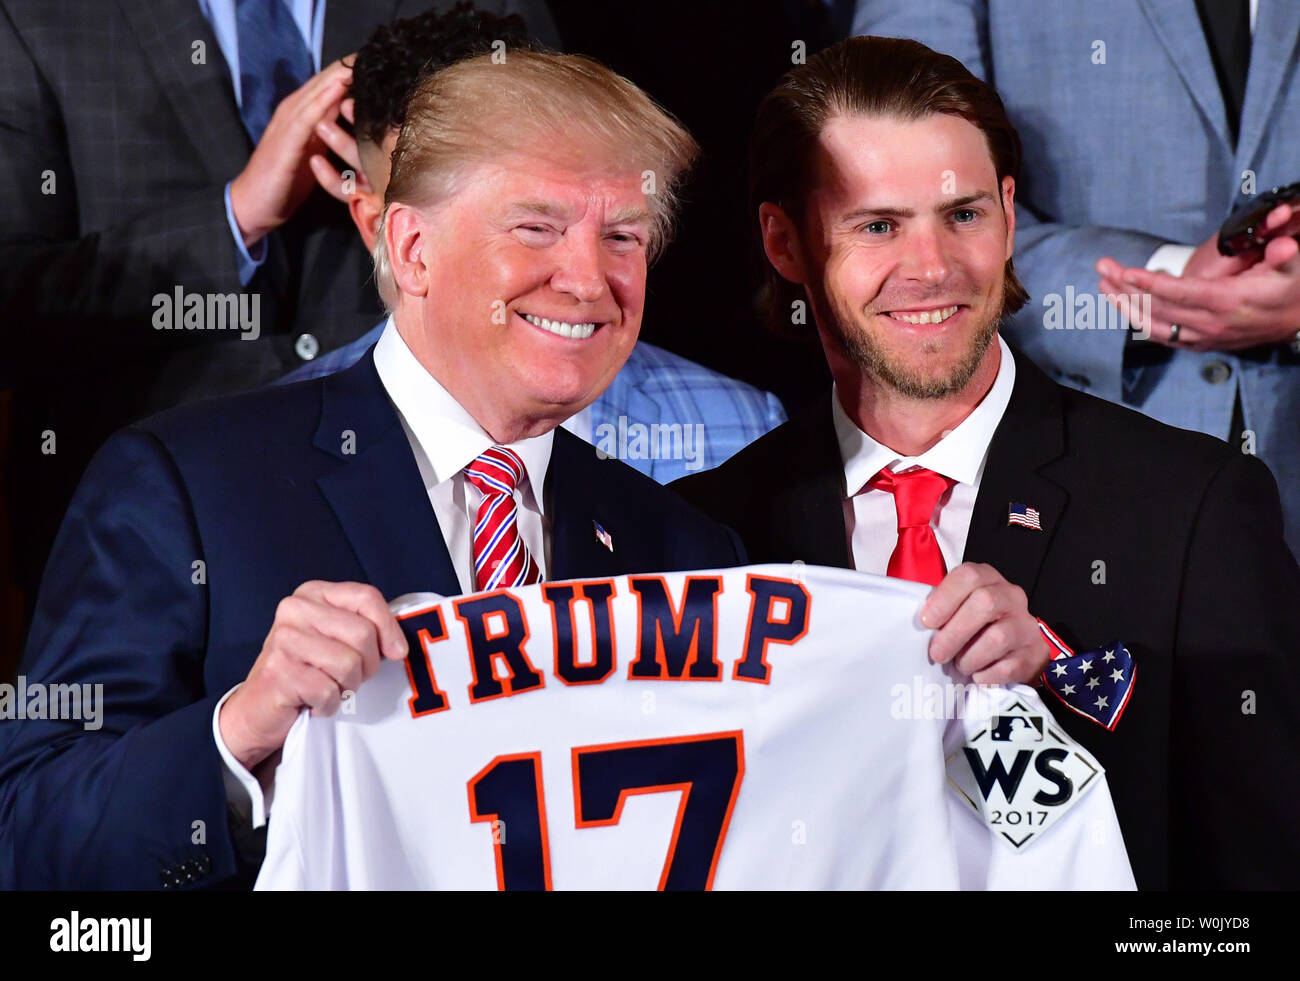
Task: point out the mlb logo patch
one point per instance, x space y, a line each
1016 729
1020 773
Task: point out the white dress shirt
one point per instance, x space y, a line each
444 439
870 517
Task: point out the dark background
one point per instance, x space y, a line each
710 62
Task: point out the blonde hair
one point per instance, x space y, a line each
481 109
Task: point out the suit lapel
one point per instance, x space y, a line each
376 491
575 511
1030 435
1272 57
202 96
1178 27
808 498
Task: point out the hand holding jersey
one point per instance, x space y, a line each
983 626
751 728
327 638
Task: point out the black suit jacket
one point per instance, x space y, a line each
118 133
185 534
1167 540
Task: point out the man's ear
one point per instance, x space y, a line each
1009 209
366 208
405 238
781 243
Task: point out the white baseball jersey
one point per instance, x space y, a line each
771 727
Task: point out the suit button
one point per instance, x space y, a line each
1216 372
306 346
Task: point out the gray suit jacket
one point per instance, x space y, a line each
1121 158
102 102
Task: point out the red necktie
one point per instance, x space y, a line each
501 559
916 494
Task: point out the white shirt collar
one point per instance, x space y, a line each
449 437
959 455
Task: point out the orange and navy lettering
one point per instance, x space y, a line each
598 594
707 769
508 795
423 628
669 641
676 636
486 645
765 628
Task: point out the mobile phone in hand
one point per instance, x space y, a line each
1243 230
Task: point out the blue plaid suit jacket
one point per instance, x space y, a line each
662 414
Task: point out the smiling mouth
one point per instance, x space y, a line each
934 316
563 328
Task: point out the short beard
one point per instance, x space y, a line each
862 348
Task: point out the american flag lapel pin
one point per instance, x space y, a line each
1022 514
604 537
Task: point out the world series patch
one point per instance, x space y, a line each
1021 773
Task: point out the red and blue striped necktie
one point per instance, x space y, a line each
501 559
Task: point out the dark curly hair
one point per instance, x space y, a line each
391 63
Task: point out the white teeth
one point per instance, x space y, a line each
926 316
561 327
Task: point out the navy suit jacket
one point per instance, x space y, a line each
186 532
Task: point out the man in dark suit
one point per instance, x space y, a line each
884 181
228 563
156 151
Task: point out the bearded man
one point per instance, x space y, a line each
883 177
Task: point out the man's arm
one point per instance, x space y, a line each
1235 705
123 800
